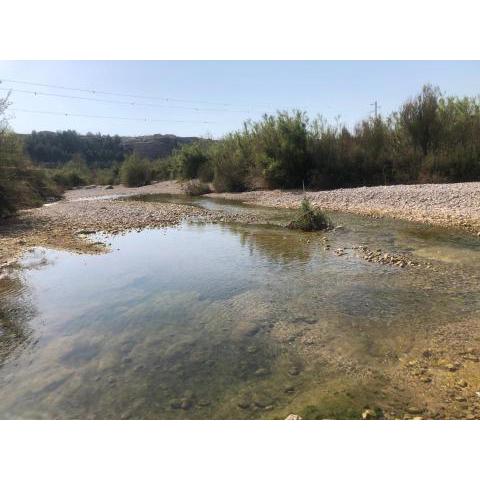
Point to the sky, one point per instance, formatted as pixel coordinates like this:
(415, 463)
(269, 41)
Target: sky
(211, 98)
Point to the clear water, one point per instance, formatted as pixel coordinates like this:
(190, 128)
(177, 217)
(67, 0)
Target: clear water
(226, 321)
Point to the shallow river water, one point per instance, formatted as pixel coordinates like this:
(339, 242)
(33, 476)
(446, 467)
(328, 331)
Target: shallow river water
(227, 320)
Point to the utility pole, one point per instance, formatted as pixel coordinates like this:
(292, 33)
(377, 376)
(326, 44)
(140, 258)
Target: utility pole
(375, 104)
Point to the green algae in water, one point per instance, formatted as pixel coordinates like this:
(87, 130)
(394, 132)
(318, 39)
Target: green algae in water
(231, 321)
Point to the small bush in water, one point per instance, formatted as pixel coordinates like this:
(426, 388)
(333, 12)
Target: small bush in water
(310, 219)
(194, 188)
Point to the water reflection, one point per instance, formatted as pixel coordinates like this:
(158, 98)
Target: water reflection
(277, 244)
(16, 311)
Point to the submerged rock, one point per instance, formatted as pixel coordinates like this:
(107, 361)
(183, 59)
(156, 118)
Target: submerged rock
(369, 414)
(243, 404)
(294, 371)
(293, 416)
(414, 410)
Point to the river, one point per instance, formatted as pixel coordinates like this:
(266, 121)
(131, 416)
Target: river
(230, 320)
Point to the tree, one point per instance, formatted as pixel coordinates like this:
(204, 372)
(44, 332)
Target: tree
(420, 118)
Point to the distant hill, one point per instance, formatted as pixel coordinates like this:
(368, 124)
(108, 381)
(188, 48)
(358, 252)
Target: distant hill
(57, 148)
(155, 146)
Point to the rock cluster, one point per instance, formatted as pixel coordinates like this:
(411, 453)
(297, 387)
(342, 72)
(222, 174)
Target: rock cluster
(378, 256)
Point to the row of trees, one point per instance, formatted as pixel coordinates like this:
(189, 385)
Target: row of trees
(55, 149)
(431, 138)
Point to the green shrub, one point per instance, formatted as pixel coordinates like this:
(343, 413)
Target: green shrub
(74, 173)
(106, 176)
(281, 142)
(7, 207)
(135, 171)
(205, 172)
(22, 185)
(163, 169)
(189, 159)
(310, 219)
(230, 165)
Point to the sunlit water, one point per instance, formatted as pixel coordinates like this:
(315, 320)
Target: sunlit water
(225, 321)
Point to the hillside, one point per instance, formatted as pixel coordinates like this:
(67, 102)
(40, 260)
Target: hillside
(155, 146)
(57, 148)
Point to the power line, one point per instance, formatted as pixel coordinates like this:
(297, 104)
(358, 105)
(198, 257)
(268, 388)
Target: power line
(146, 97)
(109, 117)
(119, 102)
(102, 92)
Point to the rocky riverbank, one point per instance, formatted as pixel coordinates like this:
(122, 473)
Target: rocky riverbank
(96, 208)
(450, 205)
(66, 223)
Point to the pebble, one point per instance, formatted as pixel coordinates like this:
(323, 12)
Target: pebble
(186, 404)
(294, 371)
(263, 402)
(414, 410)
(451, 367)
(369, 414)
(293, 416)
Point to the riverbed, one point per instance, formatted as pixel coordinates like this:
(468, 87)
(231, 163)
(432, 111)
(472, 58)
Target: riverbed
(214, 318)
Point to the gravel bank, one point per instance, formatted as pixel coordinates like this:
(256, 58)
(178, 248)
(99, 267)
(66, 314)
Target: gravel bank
(451, 205)
(169, 186)
(64, 224)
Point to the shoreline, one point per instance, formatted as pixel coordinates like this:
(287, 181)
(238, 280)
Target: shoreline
(453, 205)
(60, 225)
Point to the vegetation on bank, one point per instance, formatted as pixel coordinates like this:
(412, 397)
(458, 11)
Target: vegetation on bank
(55, 149)
(310, 219)
(432, 138)
(135, 171)
(22, 184)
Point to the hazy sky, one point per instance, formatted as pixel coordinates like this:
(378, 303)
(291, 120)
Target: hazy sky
(221, 93)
